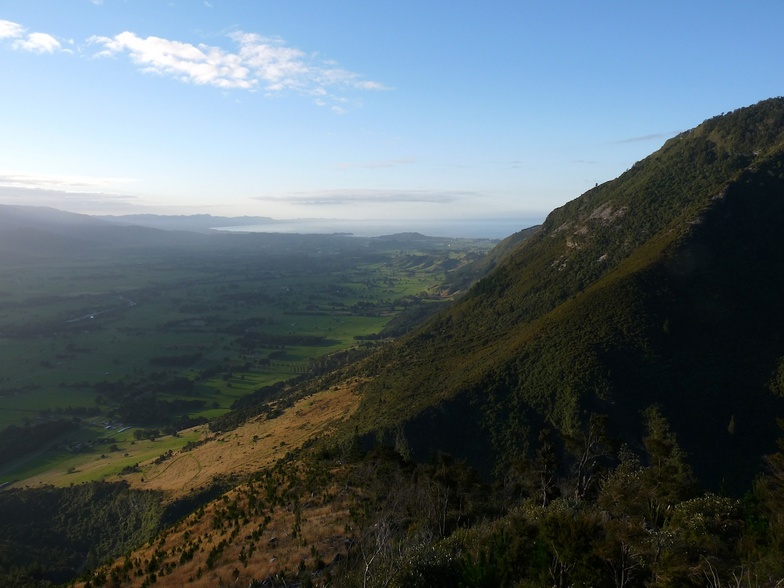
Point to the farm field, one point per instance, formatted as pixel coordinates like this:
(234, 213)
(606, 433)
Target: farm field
(125, 347)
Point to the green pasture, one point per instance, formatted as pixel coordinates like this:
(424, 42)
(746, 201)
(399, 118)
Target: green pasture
(66, 327)
(61, 467)
(123, 339)
(27, 405)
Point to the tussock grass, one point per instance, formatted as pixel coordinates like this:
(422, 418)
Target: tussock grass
(250, 447)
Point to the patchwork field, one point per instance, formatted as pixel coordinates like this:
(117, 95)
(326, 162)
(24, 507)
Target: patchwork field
(130, 352)
(169, 464)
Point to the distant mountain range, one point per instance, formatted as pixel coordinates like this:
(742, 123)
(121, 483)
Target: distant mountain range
(194, 222)
(29, 233)
(57, 221)
(41, 218)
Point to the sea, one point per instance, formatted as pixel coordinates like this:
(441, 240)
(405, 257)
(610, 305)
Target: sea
(460, 228)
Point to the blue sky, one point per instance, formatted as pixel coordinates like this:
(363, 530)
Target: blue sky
(360, 109)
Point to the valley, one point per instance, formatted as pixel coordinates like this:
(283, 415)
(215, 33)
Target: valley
(141, 347)
(595, 402)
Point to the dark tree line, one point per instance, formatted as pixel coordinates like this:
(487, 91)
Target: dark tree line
(16, 441)
(581, 511)
(51, 534)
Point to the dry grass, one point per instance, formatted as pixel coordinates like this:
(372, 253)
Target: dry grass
(249, 448)
(78, 468)
(257, 546)
(282, 526)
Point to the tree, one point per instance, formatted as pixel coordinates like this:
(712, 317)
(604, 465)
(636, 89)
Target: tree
(569, 533)
(545, 469)
(669, 479)
(590, 447)
(627, 542)
(770, 492)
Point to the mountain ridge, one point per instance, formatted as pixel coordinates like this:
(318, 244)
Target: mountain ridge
(513, 339)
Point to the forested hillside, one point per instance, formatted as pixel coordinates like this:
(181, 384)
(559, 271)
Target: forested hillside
(659, 287)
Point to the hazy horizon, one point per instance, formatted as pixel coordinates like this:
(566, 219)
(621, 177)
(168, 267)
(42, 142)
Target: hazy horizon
(456, 228)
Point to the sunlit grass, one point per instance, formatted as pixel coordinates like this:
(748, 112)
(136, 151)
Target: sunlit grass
(61, 467)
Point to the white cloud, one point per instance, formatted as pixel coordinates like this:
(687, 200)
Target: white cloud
(35, 42)
(645, 138)
(377, 164)
(366, 85)
(85, 194)
(368, 196)
(82, 202)
(259, 63)
(279, 66)
(183, 61)
(38, 43)
(10, 30)
(66, 183)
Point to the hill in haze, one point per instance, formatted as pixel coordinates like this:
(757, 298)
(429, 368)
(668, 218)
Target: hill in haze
(33, 232)
(203, 223)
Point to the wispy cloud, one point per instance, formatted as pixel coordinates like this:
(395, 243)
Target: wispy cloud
(652, 137)
(259, 63)
(376, 164)
(65, 183)
(84, 202)
(35, 42)
(256, 63)
(183, 61)
(86, 194)
(367, 196)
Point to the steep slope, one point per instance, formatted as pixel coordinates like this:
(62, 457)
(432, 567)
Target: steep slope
(658, 287)
(464, 277)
